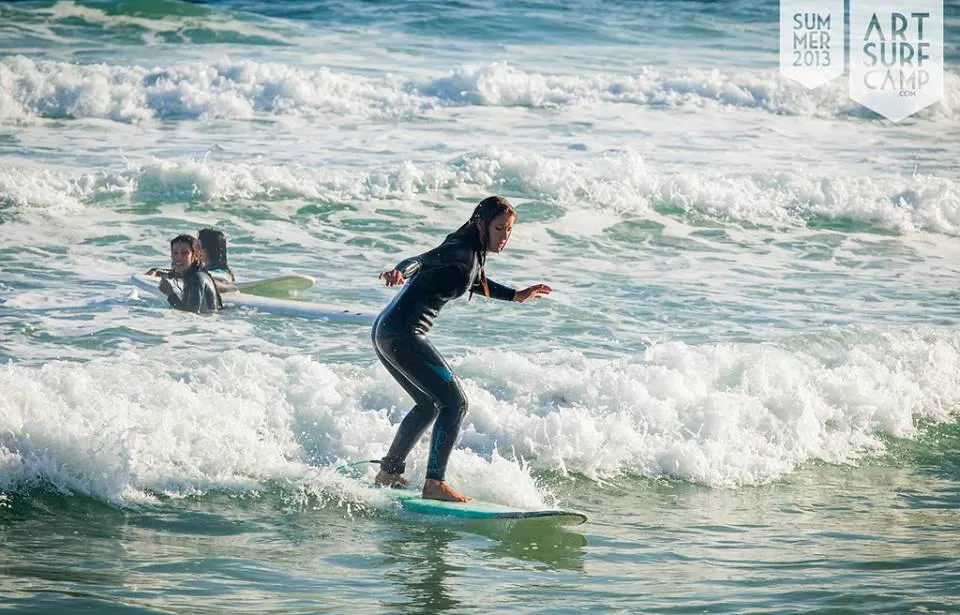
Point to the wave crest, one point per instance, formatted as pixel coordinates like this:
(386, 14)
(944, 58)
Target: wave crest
(32, 89)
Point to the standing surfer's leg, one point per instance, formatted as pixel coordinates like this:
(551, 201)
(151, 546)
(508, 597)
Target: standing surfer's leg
(425, 375)
(414, 424)
(446, 429)
(445, 432)
(411, 428)
(433, 375)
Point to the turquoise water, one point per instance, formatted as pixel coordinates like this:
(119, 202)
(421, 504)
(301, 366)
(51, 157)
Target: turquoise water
(747, 376)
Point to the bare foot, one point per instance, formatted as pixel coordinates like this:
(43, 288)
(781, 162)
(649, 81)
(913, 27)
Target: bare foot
(439, 490)
(386, 479)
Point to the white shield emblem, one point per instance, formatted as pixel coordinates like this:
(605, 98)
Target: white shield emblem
(811, 40)
(896, 55)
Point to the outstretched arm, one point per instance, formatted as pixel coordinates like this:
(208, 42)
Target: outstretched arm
(497, 290)
(505, 293)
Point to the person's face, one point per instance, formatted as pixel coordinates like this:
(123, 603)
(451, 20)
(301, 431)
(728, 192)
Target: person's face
(204, 256)
(181, 256)
(498, 232)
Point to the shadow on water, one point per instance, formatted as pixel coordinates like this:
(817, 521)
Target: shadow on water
(556, 548)
(424, 572)
(425, 560)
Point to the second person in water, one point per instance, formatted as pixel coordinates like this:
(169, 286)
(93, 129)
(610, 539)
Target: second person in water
(399, 337)
(213, 249)
(200, 294)
(213, 255)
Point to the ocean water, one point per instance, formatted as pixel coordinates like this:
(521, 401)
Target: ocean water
(748, 374)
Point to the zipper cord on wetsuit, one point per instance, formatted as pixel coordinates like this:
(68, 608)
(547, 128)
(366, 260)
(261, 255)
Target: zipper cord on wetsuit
(483, 276)
(482, 258)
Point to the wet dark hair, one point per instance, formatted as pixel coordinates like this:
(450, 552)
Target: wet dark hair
(215, 243)
(485, 211)
(191, 241)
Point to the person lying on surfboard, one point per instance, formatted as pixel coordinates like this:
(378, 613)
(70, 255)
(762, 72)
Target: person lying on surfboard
(399, 337)
(200, 294)
(213, 250)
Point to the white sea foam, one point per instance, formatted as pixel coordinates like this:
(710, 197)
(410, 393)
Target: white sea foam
(41, 88)
(128, 429)
(134, 426)
(243, 89)
(37, 188)
(619, 184)
(500, 84)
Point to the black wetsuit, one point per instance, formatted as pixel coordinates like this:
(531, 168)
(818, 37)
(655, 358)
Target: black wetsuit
(399, 338)
(200, 293)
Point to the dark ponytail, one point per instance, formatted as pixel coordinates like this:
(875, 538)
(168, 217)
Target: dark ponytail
(215, 243)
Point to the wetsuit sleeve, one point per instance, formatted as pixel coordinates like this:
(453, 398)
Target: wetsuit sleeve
(408, 267)
(497, 290)
(192, 295)
(436, 257)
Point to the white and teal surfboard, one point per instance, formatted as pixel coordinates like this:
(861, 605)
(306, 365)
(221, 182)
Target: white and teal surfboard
(477, 510)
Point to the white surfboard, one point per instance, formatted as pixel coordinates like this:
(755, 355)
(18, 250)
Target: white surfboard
(270, 305)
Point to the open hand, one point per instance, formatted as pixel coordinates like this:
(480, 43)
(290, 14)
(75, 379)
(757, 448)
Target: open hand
(165, 287)
(392, 278)
(533, 292)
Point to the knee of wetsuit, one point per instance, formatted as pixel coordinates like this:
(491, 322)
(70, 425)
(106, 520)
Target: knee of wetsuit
(430, 409)
(459, 407)
(391, 465)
